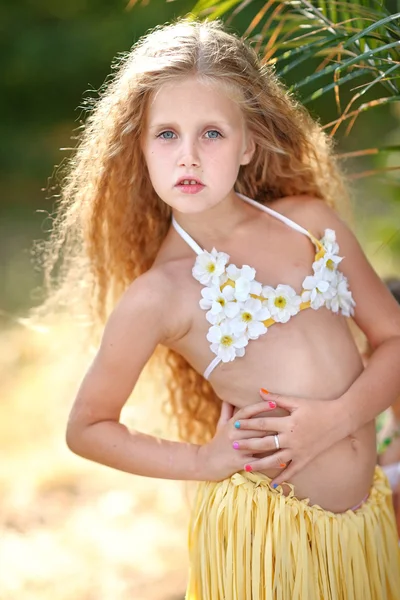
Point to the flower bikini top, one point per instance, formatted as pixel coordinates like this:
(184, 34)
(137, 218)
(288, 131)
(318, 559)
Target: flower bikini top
(239, 308)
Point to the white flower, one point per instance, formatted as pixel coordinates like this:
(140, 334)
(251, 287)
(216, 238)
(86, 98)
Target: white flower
(325, 267)
(283, 302)
(209, 267)
(225, 343)
(244, 281)
(215, 318)
(219, 301)
(233, 272)
(317, 291)
(342, 299)
(329, 241)
(250, 319)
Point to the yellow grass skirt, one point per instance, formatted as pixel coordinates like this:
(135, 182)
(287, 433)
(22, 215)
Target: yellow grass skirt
(248, 541)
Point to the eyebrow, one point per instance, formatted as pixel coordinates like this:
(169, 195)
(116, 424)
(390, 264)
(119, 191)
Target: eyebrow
(209, 122)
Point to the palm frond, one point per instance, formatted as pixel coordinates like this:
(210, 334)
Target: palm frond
(350, 39)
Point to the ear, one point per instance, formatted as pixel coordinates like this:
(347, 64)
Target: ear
(249, 149)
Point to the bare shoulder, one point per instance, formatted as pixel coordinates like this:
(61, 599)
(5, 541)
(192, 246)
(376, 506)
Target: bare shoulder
(153, 288)
(155, 297)
(310, 212)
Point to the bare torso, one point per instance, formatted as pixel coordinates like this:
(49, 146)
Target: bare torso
(312, 356)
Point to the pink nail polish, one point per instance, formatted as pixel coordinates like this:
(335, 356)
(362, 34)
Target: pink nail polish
(235, 445)
(272, 404)
(248, 468)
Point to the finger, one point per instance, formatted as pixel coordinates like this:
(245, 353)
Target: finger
(247, 412)
(227, 410)
(226, 413)
(278, 460)
(246, 434)
(287, 402)
(286, 475)
(267, 424)
(235, 435)
(267, 443)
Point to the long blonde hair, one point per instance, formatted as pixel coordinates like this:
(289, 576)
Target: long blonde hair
(110, 223)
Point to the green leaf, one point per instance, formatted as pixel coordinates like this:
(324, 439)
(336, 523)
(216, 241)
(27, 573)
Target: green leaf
(364, 33)
(369, 151)
(309, 51)
(334, 84)
(345, 64)
(213, 9)
(379, 78)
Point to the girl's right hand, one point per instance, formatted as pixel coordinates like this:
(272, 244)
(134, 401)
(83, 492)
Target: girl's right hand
(218, 459)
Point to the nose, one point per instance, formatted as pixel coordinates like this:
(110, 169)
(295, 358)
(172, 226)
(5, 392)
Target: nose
(189, 156)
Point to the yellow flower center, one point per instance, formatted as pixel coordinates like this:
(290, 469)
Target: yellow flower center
(210, 267)
(280, 302)
(247, 317)
(221, 301)
(226, 341)
(330, 264)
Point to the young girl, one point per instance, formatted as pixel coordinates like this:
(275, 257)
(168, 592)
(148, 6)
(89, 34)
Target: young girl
(201, 197)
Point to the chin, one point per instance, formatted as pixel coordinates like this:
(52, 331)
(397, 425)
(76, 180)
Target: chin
(193, 208)
(188, 205)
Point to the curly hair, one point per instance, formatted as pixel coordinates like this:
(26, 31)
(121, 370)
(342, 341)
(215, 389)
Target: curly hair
(110, 223)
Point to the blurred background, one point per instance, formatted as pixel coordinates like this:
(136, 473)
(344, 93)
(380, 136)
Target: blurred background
(71, 530)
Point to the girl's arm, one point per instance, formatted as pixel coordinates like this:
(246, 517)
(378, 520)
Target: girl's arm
(142, 319)
(315, 425)
(377, 314)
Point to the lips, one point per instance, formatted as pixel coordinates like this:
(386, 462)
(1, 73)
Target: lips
(189, 185)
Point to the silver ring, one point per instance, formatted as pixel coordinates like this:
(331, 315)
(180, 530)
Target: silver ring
(277, 444)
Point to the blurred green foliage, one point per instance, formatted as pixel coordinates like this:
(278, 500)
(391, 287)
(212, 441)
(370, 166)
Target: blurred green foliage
(54, 54)
(54, 51)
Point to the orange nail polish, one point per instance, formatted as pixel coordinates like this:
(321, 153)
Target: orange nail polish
(264, 391)
(282, 465)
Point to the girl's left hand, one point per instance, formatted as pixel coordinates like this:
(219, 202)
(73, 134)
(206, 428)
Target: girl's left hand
(312, 427)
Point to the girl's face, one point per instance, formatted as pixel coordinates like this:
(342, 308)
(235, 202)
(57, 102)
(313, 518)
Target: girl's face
(195, 139)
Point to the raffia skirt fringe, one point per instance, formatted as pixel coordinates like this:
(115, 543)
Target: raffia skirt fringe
(248, 541)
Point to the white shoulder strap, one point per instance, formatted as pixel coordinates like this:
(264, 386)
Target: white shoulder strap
(213, 364)
(282, 218)
(186, 237)
(196, 248)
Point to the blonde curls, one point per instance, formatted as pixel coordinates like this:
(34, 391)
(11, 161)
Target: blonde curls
(110, 223)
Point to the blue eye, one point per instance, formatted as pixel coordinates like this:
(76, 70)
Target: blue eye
(213, 134)
(166, 135)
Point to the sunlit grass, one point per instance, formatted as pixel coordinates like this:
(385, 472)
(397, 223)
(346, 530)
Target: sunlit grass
(72, 530)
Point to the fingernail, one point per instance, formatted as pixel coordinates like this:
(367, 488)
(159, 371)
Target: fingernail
(237, 424)
(272, 404)
(248, 468)
(282, 465)
(274, 485)
(236, 445)
(264, 391)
